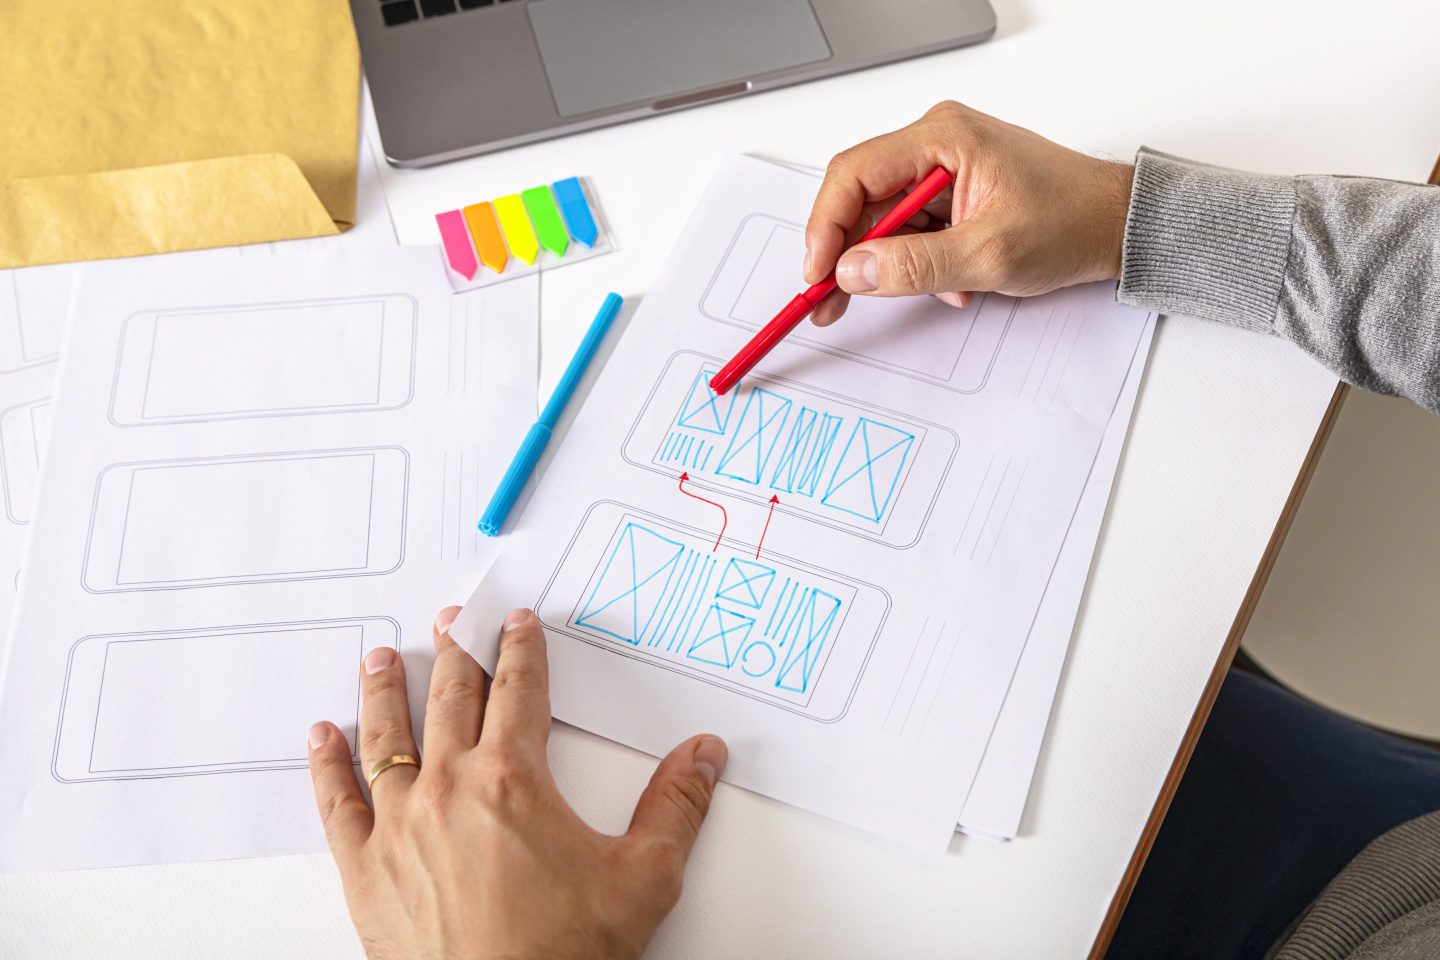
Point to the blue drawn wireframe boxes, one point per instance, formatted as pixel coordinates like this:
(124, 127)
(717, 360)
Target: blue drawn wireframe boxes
(916, 337)
(838, 461)
(771, 628)
(132, 710)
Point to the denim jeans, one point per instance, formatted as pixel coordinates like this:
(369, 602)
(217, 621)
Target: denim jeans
(1279, 795)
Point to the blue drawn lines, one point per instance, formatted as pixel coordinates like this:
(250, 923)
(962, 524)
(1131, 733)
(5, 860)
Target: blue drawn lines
(806, 634)
(767, 626)
(786, 598)
(805, 453)
(751, 445)
(746, 583)
(635, 577)
(869, 470)
(689, 452)
(702, 410)
(824, 456)
(723, 634)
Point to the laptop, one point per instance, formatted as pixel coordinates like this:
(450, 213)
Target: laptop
(453, 78)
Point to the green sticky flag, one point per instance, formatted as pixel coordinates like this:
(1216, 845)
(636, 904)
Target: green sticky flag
(545, 217)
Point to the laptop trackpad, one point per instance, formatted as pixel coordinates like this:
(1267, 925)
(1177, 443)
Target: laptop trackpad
(604, 53)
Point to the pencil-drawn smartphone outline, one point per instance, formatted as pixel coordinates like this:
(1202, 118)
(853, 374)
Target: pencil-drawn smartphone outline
(20, 311)
(19, 460)
(100, 572)
(79, 714)
(394, 361)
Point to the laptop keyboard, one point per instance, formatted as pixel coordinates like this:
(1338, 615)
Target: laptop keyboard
(396, 12)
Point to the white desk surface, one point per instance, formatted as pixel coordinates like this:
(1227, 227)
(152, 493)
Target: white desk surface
(1224, 421)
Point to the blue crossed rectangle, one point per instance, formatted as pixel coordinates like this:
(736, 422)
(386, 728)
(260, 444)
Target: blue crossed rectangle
(633, 581)
(869, 470)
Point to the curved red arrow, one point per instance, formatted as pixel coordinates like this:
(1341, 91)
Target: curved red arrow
(773, 500)
(724, 517)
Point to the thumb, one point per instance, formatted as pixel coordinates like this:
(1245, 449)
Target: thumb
(940, 261)
(675, 802)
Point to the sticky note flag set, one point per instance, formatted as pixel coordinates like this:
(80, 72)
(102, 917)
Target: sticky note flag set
(520, 233)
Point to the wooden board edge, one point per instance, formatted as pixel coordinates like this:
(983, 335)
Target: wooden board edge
(1217, 675)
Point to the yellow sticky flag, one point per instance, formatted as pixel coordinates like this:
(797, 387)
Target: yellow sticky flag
(137, 126)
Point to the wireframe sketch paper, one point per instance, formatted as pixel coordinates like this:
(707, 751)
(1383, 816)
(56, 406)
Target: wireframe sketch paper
(996, 801)
(854, 645)
(33, 302)
(258, 470)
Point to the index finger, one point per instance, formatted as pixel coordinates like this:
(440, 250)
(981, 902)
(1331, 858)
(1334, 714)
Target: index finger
(874, 170)
(517, 715)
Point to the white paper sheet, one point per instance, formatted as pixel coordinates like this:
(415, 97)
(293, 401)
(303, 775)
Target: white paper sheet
(996, 802)
(33, 302)
(928, 465)
(258, 469)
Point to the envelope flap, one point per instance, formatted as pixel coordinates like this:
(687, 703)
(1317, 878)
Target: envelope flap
(174, 206)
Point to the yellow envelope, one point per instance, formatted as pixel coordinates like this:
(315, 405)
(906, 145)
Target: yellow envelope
(143, 126)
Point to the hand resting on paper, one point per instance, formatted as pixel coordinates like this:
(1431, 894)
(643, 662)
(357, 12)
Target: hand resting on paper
(1026, 216)
(476, 854)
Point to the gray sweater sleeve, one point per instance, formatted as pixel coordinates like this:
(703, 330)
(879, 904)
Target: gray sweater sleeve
(1347, 268)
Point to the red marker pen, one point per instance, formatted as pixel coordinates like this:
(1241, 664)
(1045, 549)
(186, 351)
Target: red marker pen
(798, 309)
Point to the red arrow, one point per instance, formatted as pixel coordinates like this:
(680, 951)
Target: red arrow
(724, 517)
(773, 500)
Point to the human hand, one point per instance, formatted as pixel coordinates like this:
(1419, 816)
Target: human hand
(476, 854)
(1024, 217)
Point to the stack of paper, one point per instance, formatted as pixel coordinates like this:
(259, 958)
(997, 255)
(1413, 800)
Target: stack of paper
(861, 567)
(837, 565)
(263, 462)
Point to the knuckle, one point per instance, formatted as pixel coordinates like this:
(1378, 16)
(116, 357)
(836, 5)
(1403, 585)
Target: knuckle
(529, 640)
(453, 690)
(691, 799)
(911, 268)
(333, 807)
(518, 678)
(384, 681)
(840, 162)
(381, 733)
(947, 109)
(505, 779)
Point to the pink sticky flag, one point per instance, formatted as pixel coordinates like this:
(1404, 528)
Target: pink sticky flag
(456, 240)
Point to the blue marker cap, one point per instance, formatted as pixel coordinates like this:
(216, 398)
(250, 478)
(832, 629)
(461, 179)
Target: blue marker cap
(534, 443)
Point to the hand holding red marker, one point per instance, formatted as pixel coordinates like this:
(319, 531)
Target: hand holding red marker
(799, 308)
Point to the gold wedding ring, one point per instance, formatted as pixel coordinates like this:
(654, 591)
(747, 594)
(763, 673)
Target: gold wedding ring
(399, 760)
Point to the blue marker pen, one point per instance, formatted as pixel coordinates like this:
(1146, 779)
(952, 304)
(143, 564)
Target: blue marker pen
(534, 443)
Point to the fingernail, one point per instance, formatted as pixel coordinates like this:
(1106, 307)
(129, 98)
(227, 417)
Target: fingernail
(808, 261)
(516, 618)
(319, 734)
(951, 299)
(710, 756)
(378, 659)
(857, 272)
(445, 618)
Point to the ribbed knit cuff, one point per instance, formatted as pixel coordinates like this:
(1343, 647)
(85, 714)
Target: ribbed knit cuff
(1206, 241)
